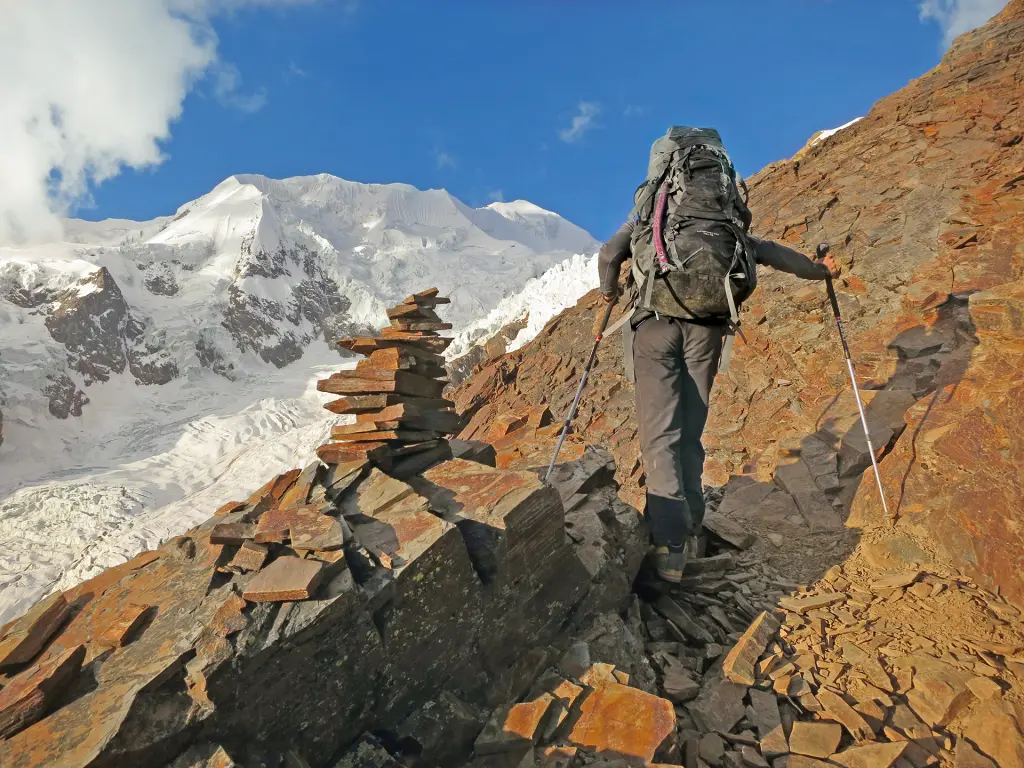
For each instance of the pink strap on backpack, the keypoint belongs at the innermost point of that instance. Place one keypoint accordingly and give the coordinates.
(659, 223)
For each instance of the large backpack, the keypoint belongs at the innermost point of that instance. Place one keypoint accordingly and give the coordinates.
(691, 256)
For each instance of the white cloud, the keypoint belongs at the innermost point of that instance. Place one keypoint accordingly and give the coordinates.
(445, 159)
(89, 88)
(959, 16)
(634, 110)
(583, 121)
(496, 196)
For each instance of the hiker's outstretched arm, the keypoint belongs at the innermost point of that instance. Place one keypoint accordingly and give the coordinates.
(785, 259)
(610, 259)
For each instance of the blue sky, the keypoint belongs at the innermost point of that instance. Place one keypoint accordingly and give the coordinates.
(554, 101)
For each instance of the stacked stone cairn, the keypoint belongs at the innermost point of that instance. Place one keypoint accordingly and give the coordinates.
(395, 394)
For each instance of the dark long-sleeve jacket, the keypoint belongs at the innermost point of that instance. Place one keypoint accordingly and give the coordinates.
(766, 252)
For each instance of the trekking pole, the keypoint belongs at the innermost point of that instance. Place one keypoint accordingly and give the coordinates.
(823, 250)
(579, 391)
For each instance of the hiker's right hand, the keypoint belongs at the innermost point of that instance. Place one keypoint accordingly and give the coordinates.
(830, 264)
(599, 317)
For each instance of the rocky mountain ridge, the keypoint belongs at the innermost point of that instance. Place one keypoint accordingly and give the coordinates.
(921, 201)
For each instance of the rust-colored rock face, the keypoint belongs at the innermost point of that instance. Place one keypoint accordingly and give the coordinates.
(335, 600)
(922, 202)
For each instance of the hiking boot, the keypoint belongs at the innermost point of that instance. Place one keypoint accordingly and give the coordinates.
(669, 562)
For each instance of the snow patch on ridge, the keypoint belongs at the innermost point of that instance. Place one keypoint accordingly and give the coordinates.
(833, 131)
(541, 299)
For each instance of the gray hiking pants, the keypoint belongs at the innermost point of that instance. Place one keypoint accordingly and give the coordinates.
(674, 364)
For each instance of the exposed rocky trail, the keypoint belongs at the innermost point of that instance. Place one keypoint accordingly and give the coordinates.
(849, 664)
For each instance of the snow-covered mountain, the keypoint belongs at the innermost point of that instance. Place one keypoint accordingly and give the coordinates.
(253, 272)
(151, 370)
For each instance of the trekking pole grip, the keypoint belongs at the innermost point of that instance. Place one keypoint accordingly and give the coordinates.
(604, 319)
(822, 252)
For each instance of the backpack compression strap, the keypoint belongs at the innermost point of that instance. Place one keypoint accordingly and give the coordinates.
(734, 315)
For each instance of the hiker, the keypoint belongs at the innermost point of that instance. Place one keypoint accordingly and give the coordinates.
(693, 264)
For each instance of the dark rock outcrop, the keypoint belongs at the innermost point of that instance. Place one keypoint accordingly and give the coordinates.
(159, 279)
(91, 319)
(279, 332)
(65, 398)
(102, 337)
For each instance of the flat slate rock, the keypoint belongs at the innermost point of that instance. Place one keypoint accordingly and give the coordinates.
(232, 533)
(624, 721)
(815, 739)
(873, 755)
(26, 698)
(720, 704)
(345, 453)
(27, 635)
(122, 628)
(740, 662)
(895, 581)
(249, 557)
(868, 663)
(729, 531)
(836, 708)
(675, 613)
(275, 525)
(318, 532)
(397, 382)
(767, 719)
(285, 579)
(812, 603)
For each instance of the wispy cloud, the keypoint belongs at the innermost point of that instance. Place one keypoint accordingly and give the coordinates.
(227, 88)
(958, 16)
(294, 71)
(582, 122)
(445, 159)
(635, 110)
(496, 196)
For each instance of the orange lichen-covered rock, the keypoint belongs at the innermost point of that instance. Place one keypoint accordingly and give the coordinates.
(122, 626)
(26, 698)
(24, 638)
(526, 720)
(619, 721)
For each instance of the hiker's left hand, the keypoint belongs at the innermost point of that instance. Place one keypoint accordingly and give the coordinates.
(831, 265)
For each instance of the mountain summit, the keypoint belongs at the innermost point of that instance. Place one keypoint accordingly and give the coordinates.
(253, 272)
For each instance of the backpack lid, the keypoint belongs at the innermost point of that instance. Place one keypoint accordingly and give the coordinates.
(676, 138)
